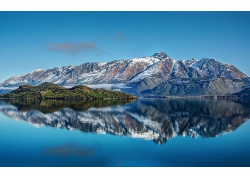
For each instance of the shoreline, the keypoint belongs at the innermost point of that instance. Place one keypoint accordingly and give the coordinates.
(72, 98)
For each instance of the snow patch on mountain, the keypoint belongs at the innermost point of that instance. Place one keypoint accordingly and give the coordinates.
(153, 69)
(190, 62)
(175, 67)
(148, 60)
(37, 70)
(135, 72)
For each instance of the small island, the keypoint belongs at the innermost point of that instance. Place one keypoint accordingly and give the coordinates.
(53, 91)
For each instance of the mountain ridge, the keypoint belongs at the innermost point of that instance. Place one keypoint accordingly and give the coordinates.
(140, 75)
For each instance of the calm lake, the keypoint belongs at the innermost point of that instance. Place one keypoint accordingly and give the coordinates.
(145, 132)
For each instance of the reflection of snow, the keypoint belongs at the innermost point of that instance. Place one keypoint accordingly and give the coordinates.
(126, 120)
(146, 121)
(176, 127)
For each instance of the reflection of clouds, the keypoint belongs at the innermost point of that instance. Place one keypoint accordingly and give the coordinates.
(69, 150)
(120, 109)
(74, 151)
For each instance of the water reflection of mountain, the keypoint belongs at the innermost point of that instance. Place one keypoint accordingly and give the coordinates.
(50, 106)
(153, 119)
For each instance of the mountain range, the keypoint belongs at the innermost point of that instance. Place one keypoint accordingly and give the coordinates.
(158, 74)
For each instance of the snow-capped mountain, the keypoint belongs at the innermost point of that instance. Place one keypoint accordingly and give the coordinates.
(142, 75)
(147, 119)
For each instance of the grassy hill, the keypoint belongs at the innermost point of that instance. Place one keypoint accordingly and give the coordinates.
(53, 91)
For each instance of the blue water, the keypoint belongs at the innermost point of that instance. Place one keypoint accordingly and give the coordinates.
(30, 138)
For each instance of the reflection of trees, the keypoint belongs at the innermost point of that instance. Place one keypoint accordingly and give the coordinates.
(155, 119)
(49, 106)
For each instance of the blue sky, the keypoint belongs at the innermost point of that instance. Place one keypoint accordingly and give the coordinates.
(43, 40)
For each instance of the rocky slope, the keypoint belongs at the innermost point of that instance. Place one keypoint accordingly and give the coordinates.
(156, 120)
(158, 74)
(244, 94)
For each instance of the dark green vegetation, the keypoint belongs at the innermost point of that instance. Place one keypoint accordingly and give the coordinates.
(52, 91)
(50, 106)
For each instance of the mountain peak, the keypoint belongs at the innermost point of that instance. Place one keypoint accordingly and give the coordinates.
(141, 75)
(160, 55)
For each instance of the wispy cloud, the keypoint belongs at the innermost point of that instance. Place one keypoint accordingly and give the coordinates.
(73, 48)
(120, 36)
